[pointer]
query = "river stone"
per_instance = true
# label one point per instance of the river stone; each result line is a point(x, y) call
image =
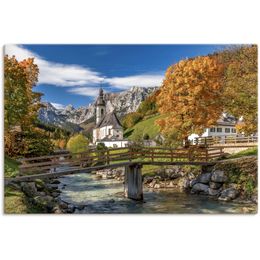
point(200, 188)
point(186, 184)
point(170, 184)
point(229, 194)
point(151, 185)
point(176, 176)
point(52, 186)
point(169, 171)
point(55, 194)
point(157, 186)
point(70, 208)
point(213, 192)
point(63, 205)
point(191, 176)
point(44, 201)
point(204, 178)
point(41, 193)
point(57, 210)
point(215, 185)
point(29, 188)
point(55, 181)
point(148, 180)
point(193, 182)
point(218, 176)
point(40, 184)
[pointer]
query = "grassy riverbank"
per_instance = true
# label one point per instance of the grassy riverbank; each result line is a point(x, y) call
point(247, 152)
point(14, 200)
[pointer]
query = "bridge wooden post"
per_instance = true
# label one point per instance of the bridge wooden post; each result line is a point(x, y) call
point(207, 154)
point(108, 161)
point(133, 182)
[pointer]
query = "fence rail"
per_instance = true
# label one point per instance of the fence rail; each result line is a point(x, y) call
point(222, 140)
point(90, 158)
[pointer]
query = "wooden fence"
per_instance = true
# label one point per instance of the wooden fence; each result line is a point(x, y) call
point(223, 140)
point(61, 162)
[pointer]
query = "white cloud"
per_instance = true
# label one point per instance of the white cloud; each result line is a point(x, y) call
point(85, 91)
point(57, 74)
point(142, 80)
point(58, 106)
point(78, 79)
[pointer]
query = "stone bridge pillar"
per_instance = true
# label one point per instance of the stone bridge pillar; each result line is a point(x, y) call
point(133, 182)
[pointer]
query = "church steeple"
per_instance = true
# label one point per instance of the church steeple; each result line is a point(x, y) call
point(100, 106)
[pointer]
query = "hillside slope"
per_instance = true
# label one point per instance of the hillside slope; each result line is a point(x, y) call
point(146, 126)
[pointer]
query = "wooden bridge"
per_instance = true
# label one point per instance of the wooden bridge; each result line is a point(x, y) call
point(132, 158)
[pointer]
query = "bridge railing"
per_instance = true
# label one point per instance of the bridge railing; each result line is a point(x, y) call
point(90, 158)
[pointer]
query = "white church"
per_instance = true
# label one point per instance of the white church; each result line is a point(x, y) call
point(108, 129)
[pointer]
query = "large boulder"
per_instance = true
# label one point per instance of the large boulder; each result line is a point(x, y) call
point(215, 185)
point(204, 178)
point(214, 192)
point(200, 188)
point(44, 202)
point(229, 194)
point(29, 188)
point(218, 176)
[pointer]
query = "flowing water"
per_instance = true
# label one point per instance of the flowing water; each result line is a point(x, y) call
point(92, 195)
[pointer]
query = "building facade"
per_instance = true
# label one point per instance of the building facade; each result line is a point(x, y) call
point(226, 126)
point(108, 129)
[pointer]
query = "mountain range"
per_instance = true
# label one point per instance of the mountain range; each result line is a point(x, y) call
point(73, 118)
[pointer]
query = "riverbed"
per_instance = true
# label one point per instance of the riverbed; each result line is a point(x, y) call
point(90, 194)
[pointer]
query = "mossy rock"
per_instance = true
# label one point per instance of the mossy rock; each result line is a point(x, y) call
point(40, 184)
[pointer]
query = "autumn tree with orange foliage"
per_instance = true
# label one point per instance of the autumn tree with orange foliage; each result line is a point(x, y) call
point(21, 106)
point(240, 85)
point(190, 97)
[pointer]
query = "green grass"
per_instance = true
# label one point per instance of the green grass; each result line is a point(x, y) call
point(247, 152)
point(14, 200)
point(147, 126)
point(11, 167)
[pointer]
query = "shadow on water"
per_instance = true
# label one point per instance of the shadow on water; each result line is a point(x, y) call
point(106, 196)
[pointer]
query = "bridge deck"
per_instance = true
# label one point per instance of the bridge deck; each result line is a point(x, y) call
point(58, 174)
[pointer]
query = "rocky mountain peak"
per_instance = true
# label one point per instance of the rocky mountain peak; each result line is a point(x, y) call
point(122, 102)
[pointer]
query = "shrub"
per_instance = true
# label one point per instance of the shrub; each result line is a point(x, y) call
point(131, 119)
point(78, 143)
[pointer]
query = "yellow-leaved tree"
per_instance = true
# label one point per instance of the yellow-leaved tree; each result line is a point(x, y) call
point(190, 97)
point(78, 143)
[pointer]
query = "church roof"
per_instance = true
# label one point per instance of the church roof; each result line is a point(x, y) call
point(110, 119)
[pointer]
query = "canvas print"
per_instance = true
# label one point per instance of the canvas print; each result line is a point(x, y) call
point(141, 129)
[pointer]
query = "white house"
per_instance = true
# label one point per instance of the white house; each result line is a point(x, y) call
point(225, 127)
point(108, 128)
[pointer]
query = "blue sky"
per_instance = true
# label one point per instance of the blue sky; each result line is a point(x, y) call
point(72, 74)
